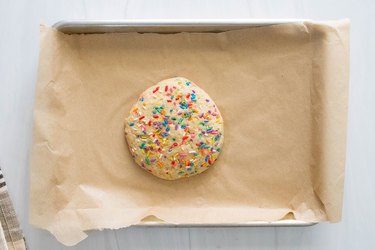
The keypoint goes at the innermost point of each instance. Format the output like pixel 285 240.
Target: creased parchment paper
pixel 282 91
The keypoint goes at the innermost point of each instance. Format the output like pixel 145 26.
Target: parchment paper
pixel 281 89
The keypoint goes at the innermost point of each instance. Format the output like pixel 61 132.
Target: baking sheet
pixel 282 81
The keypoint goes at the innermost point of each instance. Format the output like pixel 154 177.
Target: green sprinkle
pixel 201 146
pixel 147 160
pixel 181 172
pixel 179 121
pixel 174 118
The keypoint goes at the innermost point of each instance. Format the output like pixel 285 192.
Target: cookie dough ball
pixel 174 130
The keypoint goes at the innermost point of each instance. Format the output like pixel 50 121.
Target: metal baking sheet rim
pixel 178 25
pixel 163 25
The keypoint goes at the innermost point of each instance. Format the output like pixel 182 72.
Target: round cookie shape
pixel 174 130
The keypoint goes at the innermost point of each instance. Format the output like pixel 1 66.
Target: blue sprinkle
pixel 131 124
pixel 142 99
pixel 218 149
pixel 205 121
pixel 195 154
pixel 188 83
pixel 183 126
pixel 206 159
pixel 168 128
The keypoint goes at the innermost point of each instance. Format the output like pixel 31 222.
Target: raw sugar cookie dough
pixel 174 130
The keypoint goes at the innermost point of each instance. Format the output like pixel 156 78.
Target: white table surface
pixel 19 41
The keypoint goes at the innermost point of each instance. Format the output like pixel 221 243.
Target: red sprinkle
pixel 175 144
pixel 156 116
pixel 157 88
pixel 190 104
pixel 185 137
pixel 149 123
pixel 166 88
pixel 169 100
pixel 178 98
pixel 173 163
pixel 142 117
pixel 209 161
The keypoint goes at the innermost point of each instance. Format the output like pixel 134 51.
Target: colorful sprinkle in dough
pixel 175 130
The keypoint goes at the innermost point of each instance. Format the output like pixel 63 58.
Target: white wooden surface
pixel 19 20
